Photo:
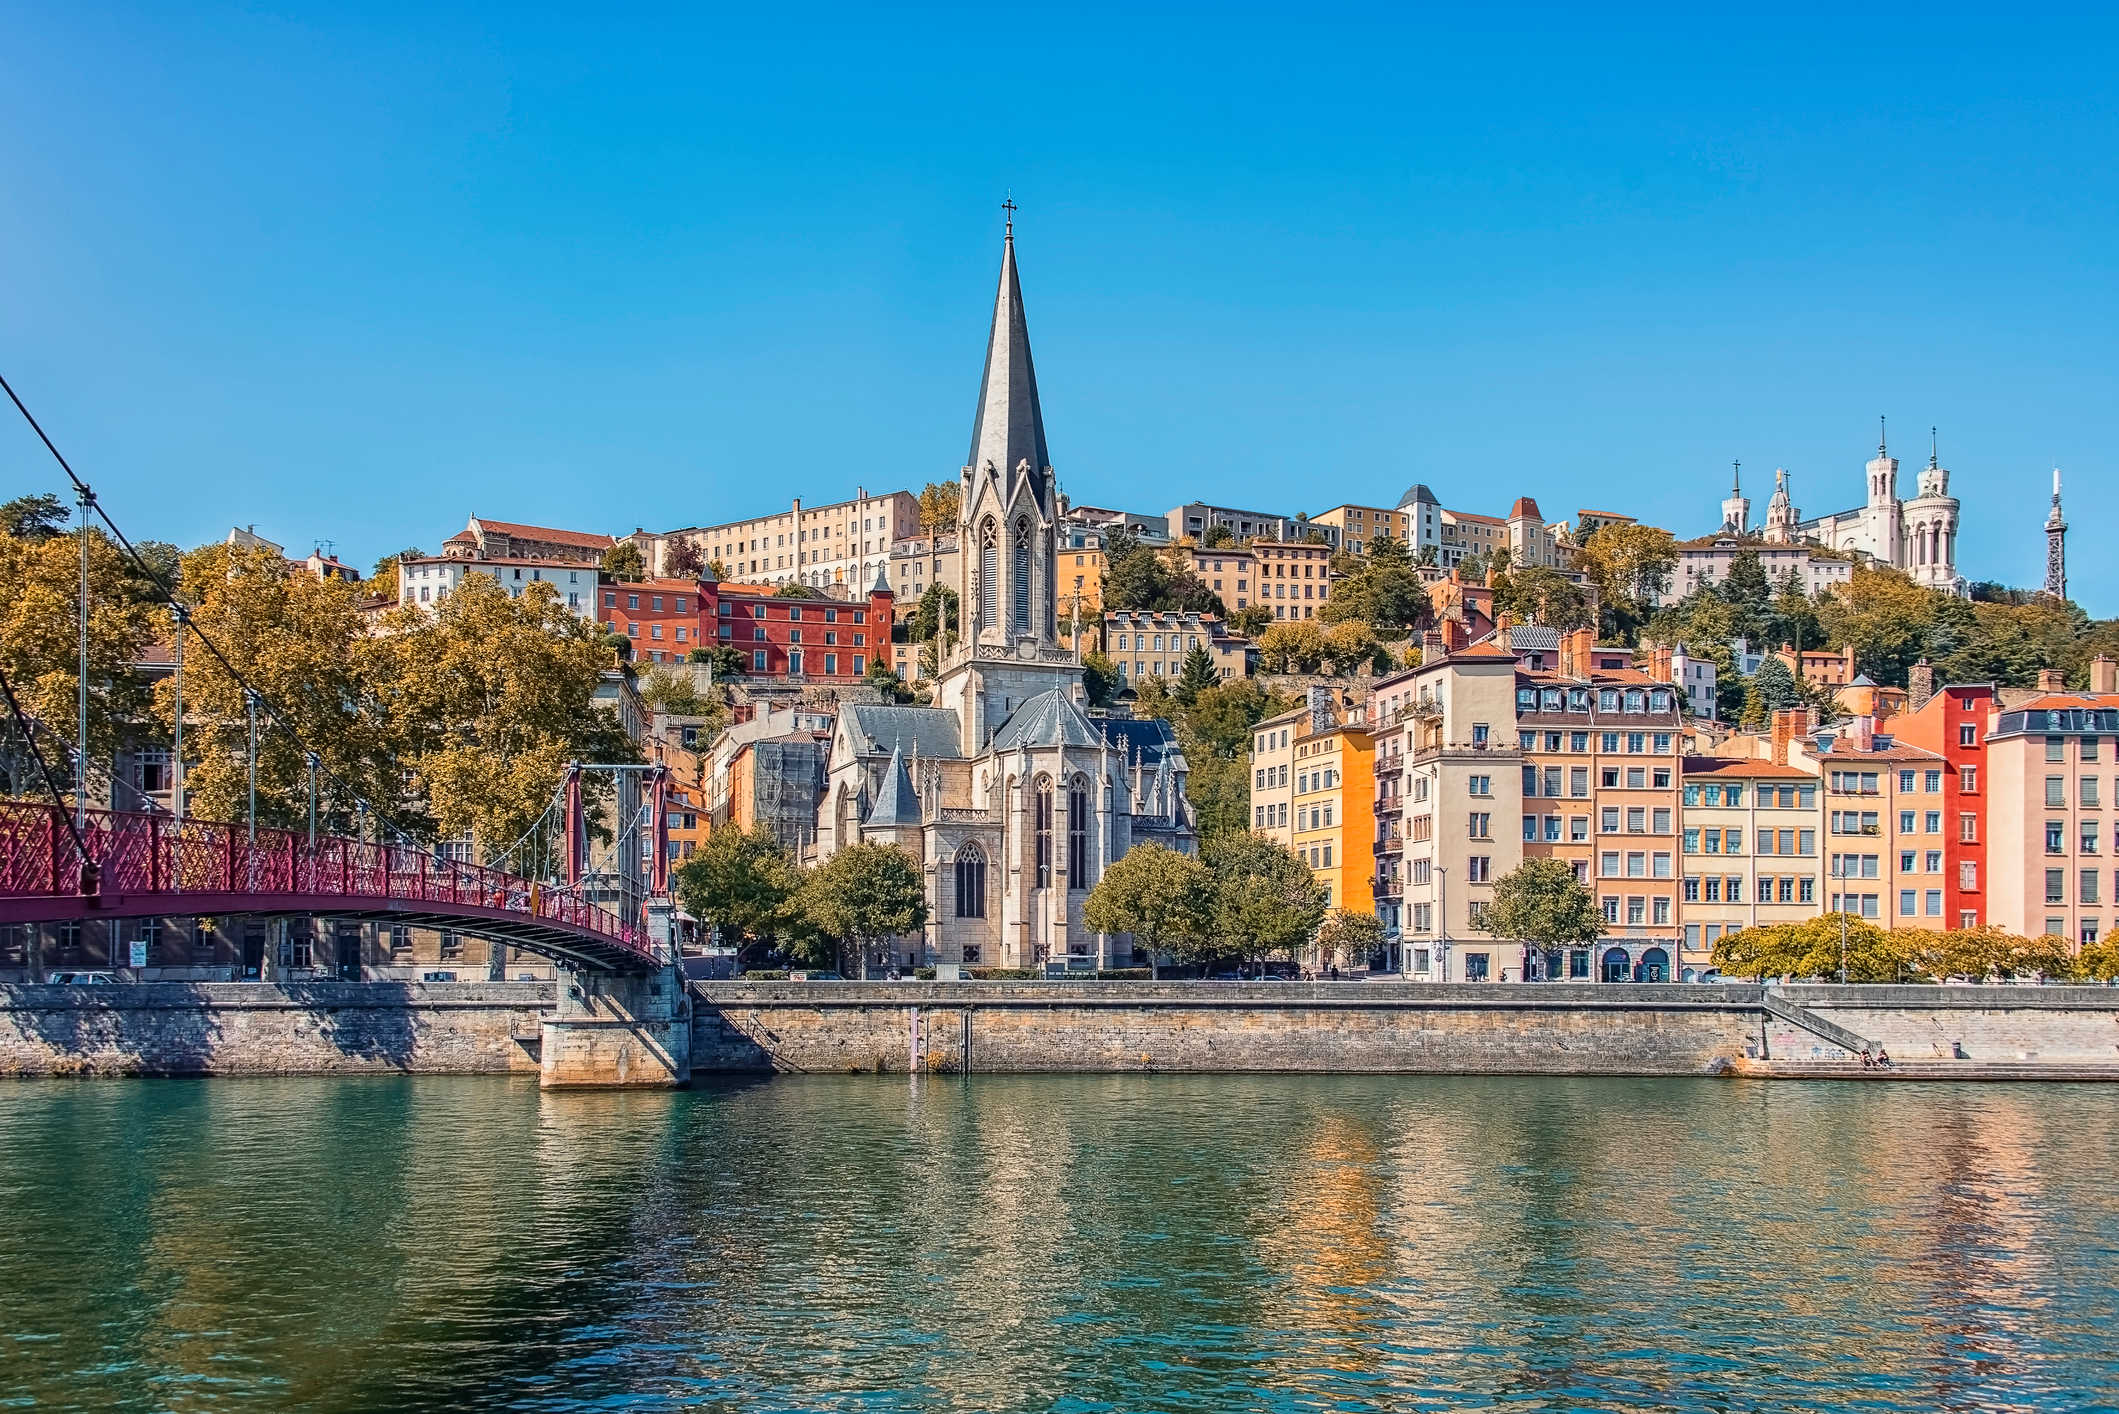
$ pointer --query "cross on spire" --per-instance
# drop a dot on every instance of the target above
(1008, 205)
(1880, 441)
(1736, 477)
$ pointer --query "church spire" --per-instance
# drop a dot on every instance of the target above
(1009, 428)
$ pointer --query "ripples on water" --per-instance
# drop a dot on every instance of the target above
(1058, 1243)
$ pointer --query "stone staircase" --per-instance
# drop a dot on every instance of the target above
(1804, 1019)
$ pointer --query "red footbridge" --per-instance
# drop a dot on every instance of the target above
(150, 865)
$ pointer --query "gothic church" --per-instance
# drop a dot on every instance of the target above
(1008, 791)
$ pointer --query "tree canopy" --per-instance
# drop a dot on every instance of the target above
(865, 894)
(1541, 901)
(1158, 895)
(623, 562)
(1264, 898)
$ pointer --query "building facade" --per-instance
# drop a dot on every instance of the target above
(1147, 643)
(1294, 577)
(844, 545)
(1917, 535)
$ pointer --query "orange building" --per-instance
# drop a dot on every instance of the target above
(1333, 799)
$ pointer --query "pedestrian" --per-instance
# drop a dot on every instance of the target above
(1883, 1057)
(1867, 1062)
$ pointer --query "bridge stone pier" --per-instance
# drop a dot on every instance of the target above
(617, 1031)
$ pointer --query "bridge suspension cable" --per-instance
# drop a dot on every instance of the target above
(51, 782)
(275, 716)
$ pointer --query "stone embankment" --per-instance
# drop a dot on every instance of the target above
(989, 1027)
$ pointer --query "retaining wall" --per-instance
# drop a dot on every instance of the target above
(255, 1028)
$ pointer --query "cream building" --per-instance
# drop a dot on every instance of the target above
(1751, 851)
(1294, 577)
(1273, 775)
(845, 544)
(1147, 643)
(1357, 527)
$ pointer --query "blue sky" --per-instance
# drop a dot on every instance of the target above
(353, 273)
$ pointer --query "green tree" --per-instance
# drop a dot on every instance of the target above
(301, 642)
(1349, 645)
(1631, 566)
(1771, 689)
(792, 590)
(2099, 962)
(1251, 620)
(1197, 674)
(1540, 594)
(1885, 617)
(1265, 899)
(485, 701)
(33, 518)
(1100, 679)
(1542, 903)
(623, 562)
(665, 689)
(1157, 895)
(1352, 936)
(742, 882)
(1794, 617)
(1977, 954)
(884, 679)
(1218, 537)
(40, 649)
(1812, 949)
(936, 612)
(866, 894)
(682, 561)
(1292, 646)
(939, 503)
(1381, 589)
(383, 582)
(1749, 595)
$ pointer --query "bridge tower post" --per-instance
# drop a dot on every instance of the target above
(577, 838)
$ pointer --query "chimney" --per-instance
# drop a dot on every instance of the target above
(1659, 663)
(1920, 685)
(1502, 625)
(1431, 649)
(1862, 732)
(2052, 680)
(2104, 675)
(1454, 635)
(1574, 652)
(1788, 724)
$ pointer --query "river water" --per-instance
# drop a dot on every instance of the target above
(1059, 1243)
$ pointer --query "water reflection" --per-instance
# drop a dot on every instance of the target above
(1057, 1243)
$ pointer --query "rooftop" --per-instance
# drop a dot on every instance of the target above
(583, 539)
(1739, 766)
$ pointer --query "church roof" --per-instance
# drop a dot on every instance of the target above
(928, 731)
(1048, 719)
(1010, 425)
(896, 803)
(1151, 738)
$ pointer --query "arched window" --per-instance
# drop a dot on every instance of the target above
(1041, 810)
(989, 575)
(1078, 834)
(1019, 578)
(970, 882)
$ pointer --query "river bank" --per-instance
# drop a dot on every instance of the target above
(494, 1028)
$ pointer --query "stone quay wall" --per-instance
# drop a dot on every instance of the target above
(1192, 1026)
(1992, 1025)
(257, 1028)
(493, 1028)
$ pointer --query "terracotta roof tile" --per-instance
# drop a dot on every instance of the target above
(584, 539)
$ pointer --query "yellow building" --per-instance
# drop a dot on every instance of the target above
(1081, 583)
(1360, 525)
(1334, 809)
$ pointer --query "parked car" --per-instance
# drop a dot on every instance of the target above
(83, 979)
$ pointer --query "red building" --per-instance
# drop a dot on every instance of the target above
(1953, 724)
(660, 616)
(779, 635)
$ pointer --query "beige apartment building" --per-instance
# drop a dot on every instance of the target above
(845, 544)
(919, 564)
(1294, 577)
(1230, 574)
(1459, 773)
(1884, 810)
(1358, 526)
(1145, 643)
(1273, 775)
(1751, 851)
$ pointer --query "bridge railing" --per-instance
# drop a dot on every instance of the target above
(154, 854)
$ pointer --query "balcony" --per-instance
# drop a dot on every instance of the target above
(1492, 751)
